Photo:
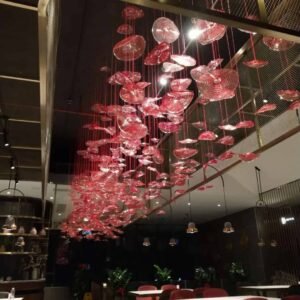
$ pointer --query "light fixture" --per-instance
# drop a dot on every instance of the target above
(228, 228)
(191, 228)
(5, 139)
(12, 165)
(265, 101)
(172, 242)
(51, 197)
(219, 205)
(194, 33)
(146, 242)
(284, 220)
(163, 80)
(261, 242)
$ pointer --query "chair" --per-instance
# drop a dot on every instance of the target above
(214, 292)
(256, 298)
(168, 287)
(291, 297)
(293, 290)
(146, 288)
(199, 291)
(182, 294)
(4, 295)
(165, 295)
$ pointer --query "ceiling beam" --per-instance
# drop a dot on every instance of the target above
(19, 78)
(48, 19)
(222, 18)
(18, 5)
(26, 148)
(23, 121)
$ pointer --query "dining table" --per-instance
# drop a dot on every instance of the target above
(264, 289)
(244, 297)
(151, 293)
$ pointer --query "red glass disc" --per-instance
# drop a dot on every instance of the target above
(249, 156)
(159, 54)
(165, 30)
(245, 124)
(228, 127)
(179, 85)
(295, 105)
(226, 140)
(288, 95)
(171, 68)
(256, 63)
(184, 60)
(218, 84)
(277, 44)
(125, 29)
(266, 107)
(134, 93)
(184, 153)
(132, 13)
(130, 48)
(188, 141)
(123, 77)
(168, 127)
(207, 136)
(209, 31)
(226, 155)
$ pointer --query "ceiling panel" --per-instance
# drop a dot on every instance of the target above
(18, 42)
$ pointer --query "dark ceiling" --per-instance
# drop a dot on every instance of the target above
(87, 36)
(19, 99)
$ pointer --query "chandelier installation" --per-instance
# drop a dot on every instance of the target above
(123, 141)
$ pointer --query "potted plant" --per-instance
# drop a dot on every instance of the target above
(118, 280)
(162, 275)
(204, 276)
(236, 272)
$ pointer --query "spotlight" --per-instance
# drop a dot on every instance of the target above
(12, 165)
(265, 101)
(163, 80)
(6, 142)
(194, 33)
(219, 205)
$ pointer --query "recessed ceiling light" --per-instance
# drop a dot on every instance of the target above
(194, 33)
(189, 203)
(59, 214)
(265, 101)
(219, 205)
(157, 202)
(51, 197)
(8, 193)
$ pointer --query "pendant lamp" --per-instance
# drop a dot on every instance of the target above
(191, 228)
(146, 242)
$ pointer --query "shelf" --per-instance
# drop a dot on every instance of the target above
(35, 236)
(22, 253)
(22, 281)
(22, 217)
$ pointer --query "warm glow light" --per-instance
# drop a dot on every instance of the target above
(219, 205)
(285, 220)
(146, 242)
(191, 229)
(194, 33)
(265, 101)
(163, 81)
(228, 228)
(104, 284)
